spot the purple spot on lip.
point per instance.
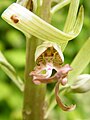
(49, 68)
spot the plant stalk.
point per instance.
(34, 96)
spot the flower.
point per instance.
(48, 60)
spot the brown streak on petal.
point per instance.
(44, 80)
(14, 18)
(41, 79)
(59, 102)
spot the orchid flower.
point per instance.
(51, 58)
(49, 55)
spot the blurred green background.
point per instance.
(12, 44)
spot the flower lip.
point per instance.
(59, 77)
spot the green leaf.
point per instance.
(10, 71)
(59, 6)
(30, 24)
(71, 18)
(81, 60)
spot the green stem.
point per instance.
(51, 106)
(45, 10)
(34, 96)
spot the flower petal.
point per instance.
(59, 102)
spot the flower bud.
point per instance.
(82, 84)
